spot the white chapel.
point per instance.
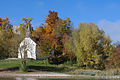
(29, 46)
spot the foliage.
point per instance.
(3, 45)
(9, 44)
(50, 36)
(4, 24)
(68, 49)
(8, 40)
(87, 45)
(26, 25)
(91, 47)
(57, 59)
(5, 35)
(114, 61)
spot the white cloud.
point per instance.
(111, 28)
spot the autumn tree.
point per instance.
(5, 35)
(3, 45)
(68, 42)
(114, 61)
(9, 41)
(91, 46)
(50, 36)
(25, 26)
(4, 24)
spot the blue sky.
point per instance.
(104, 13)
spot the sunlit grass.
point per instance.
(38, 65)
(32, 65)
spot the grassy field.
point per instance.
(33, 65)
(37, 65)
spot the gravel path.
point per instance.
(45, 74)
(34, 74)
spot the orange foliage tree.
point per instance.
(4, 24)
(50, 36)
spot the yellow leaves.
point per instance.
(92, 24)
(4, 23)
(6, 18)
(90, 45)
(0, 27)
(34, 34)
(24, 26)
(27, 20)
(48, 29)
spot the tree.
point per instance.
(90, 45)
(68, 42)
(5, 36)
(4, 24)
(13, 45)
(25, 26)
(114, 61)
(50, 35)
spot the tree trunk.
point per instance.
(23, 65)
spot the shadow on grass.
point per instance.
(45, 68)
(10, 69)
(33, 68)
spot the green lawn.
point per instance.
(9, 63)
(37, 65)
(33, 65)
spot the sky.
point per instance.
(104, 13)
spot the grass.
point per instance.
(37, 65)
(32, 65)
(9, 63)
